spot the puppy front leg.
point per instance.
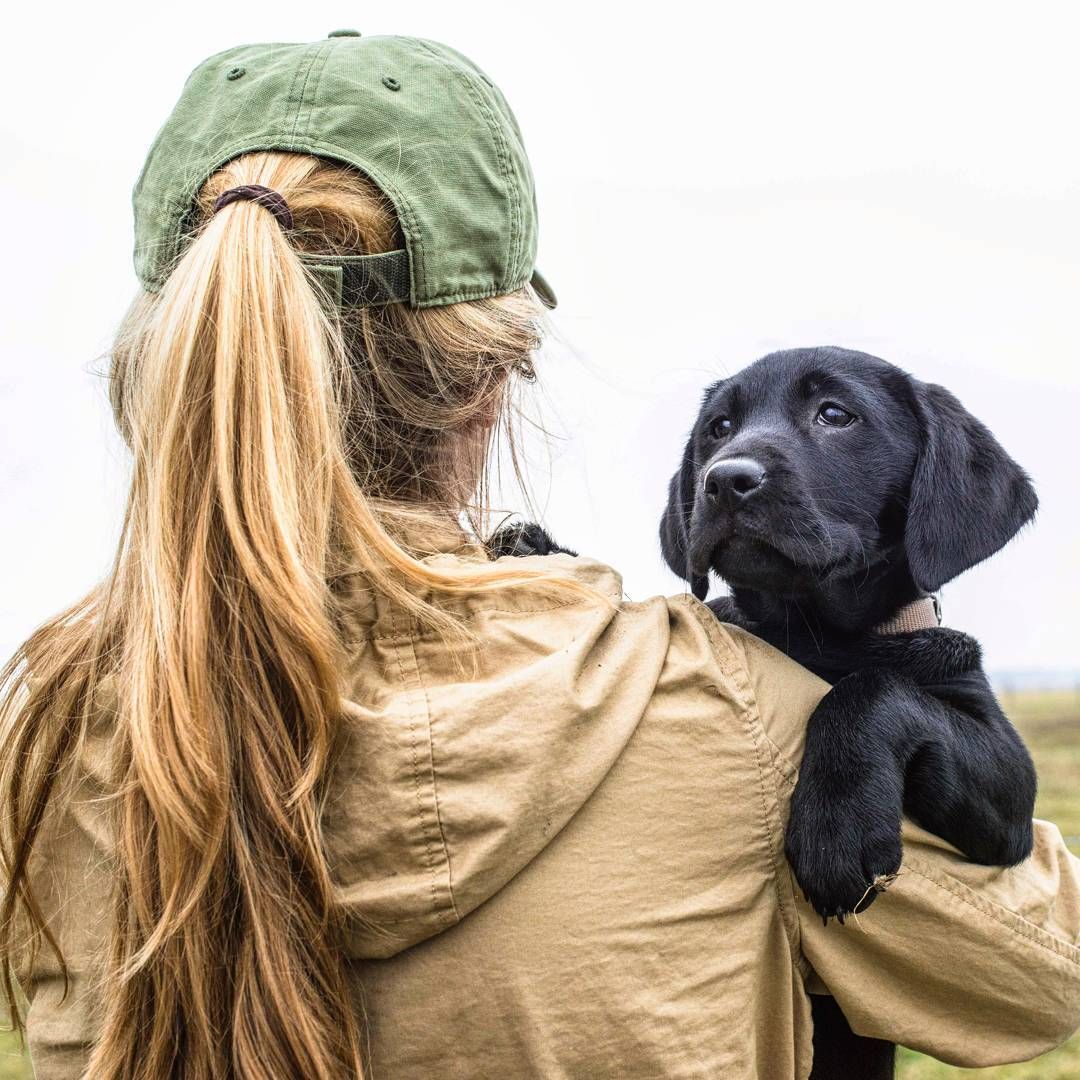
(843, 835)
(973, 781)
(879, 745)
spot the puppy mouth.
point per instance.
(749, 554)
(744, 560)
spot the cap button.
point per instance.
(343, 33)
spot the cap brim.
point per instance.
(543, 290)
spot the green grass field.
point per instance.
(1050, 723)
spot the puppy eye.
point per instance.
(832, 415)
(721, 427)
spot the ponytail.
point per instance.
(266, 433)
(230, 686)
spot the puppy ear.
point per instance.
(968, 497)
(675, 524)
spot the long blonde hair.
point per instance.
(277, 445)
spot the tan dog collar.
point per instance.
(921, 614)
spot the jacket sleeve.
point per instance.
(975, 965)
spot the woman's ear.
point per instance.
(675, 524)
(968, 497)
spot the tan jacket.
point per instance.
(570, 864)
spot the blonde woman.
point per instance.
(310, 786)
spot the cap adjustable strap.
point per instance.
(363, 280)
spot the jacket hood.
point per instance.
(451, 776)
(451, 779)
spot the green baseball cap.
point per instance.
(418, 118)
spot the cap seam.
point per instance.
(501, 152)
(303, 89)
(285, 105)
(475, 294)
(518, 154)
(321, 59)
(414, 242)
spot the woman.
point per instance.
(310, 786)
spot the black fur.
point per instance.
(847, 526)
(850, 524)
(523, 538)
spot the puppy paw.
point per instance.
(843, 840)
(523, 539)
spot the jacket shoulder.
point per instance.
(778, 694)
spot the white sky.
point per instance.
(715, 181)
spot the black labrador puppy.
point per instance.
(831, 491)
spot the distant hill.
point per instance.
(1011, 682)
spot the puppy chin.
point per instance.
(745, 562)
(754, 554)
(737, 555)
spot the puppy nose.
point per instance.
(735, 479)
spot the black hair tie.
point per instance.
(274, 201)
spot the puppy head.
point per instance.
(812, 465)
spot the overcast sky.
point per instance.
(714, 183)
